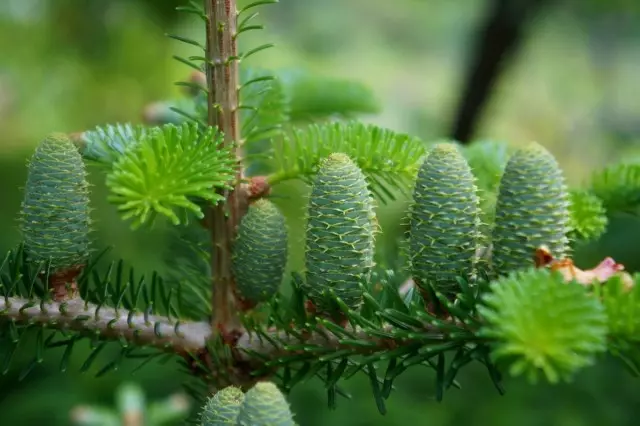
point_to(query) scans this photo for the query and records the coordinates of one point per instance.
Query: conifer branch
(78, 315)
(362, 340)
(191, 337)
(506, 294)
(222, 85)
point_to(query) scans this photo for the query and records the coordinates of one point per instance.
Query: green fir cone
(532, 210)
(55, 220)
(265, 405)
(260, 252)
(223, 407)
(445, 217)
(339, 234)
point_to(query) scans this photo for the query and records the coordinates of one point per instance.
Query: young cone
(55, 220)
(265, 405)
(532, 210)
(340, 234)
(260, 252)
(222, 408)
(444, 221)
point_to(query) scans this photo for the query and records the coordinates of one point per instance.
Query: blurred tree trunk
(498, 39)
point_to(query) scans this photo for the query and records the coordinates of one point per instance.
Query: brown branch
(222, 82)
(75, 314)
(161, 332)
(189, 339)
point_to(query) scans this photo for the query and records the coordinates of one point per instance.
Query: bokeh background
(571, 82)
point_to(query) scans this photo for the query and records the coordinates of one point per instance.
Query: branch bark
(183, 338)
(149, 330)
(222, 83)
(78, 315)
(252, 343)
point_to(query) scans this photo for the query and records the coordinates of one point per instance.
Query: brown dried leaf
(601, 273)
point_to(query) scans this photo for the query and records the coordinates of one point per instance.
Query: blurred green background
(572, 85)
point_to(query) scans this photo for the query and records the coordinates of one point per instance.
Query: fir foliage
(131, 305)
(588, 215)
(104, 145)
(55, 219)
(177, 111)
(622, 305)
(264, 110)
(187, 260)
(543, 325)
(313, 97)
(166, 170)
(388, 159)
(271, 101)
(263, 104)
(618, 186)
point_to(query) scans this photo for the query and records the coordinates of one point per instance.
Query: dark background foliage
(559, 72)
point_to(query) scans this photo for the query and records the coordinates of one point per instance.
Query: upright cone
(445, 213)
(532, 210)
(265, 405)
(222, 409)
(260, 252)
(339, 235)
(55, 221)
